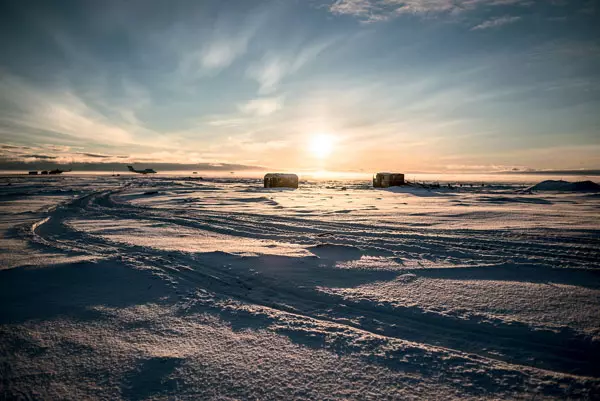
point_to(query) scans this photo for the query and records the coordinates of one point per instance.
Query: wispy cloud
(220, 83)
(93, 117)
(273, 67)
(63, 113)
(221, 54)
(496, 22)
(96, 155)
(226, 122)
(262, 106)
(66, 155)
(269, 72)
(220, 47)
(216, 54)
(379, 10)
(47, 152)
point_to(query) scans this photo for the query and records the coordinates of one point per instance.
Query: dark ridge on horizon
(48, 165)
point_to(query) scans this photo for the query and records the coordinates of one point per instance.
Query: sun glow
(321, 145)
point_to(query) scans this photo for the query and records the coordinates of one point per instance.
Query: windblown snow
(172, 288)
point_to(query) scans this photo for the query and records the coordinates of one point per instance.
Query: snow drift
(165, 288)
(559, 185)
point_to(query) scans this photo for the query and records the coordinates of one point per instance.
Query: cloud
(274, 67)
(63, 155)
(214, 56)
(131, 96)
(381, 10)
(262, 106)
(75, 116)
(496, 22)
(39, 157)
(95, 155)
(49, 152)
(219, 46)
(353, 7)
(484, 168)
(269, 73)
(227, 122)
(61, 112)
(24, 165)
(221, 54)
(57, 148)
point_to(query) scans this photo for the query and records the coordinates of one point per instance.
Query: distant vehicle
(385, 180)
(33, 173)
(57, 171)
(280, 180)
(146, 171)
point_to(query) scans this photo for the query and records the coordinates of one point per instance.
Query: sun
(321, 145)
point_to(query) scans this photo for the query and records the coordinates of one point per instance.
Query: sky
(302, 85)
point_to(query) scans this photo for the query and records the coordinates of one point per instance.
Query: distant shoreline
(591, 172)
(501, 178)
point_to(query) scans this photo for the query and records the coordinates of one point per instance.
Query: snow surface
(560, 185)
(173, 288)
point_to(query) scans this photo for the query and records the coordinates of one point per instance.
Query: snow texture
(560, 185)
(172, 288)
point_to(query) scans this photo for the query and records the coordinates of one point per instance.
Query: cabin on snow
(385, 180)
(279, 180)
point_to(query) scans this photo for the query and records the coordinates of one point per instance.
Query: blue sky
(410, 85)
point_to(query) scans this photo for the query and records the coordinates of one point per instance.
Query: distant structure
(385, 180)
(280, 180)
(33, 173)
(57, 171)
(146, 171)
(44, 172)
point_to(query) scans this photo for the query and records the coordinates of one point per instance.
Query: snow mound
(560, 185)
(336, 252)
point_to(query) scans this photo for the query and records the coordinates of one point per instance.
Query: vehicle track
(564, 352)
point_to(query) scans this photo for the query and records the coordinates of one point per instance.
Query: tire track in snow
(396, 324)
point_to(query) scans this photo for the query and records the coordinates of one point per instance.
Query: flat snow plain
(164, 287)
